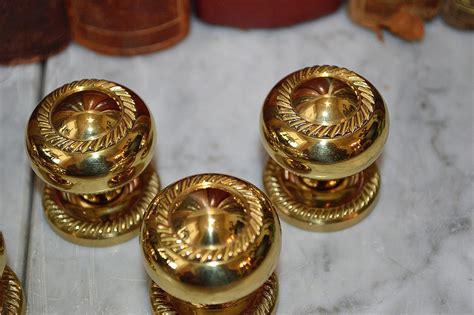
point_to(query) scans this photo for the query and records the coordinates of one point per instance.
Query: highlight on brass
(91, 142)
(210, 245)
(323, 127)
(12, 299)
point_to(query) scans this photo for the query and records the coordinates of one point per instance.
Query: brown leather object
(125, 27)
(262, 13)
(459, 13)
(32, 30)
(404, 18)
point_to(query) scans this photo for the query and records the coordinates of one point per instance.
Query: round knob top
(3, 255)
(90, 136)
(210, 239)
(324, 122)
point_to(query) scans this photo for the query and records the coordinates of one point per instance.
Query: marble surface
(412, 255)
(19, 93)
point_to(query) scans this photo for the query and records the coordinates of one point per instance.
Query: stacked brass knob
(211, 243)
(91, 142)
(323, 127)
(12, 300)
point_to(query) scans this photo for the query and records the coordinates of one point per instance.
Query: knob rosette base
(263, 301)
(12, 298)
(99, 220)
(322, 206)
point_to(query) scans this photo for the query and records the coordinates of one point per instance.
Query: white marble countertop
(412, 255)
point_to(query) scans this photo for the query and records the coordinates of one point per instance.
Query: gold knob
(91, 142)
(12, 299)
(210, 244)
(323, 127)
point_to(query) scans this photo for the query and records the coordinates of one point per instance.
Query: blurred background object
(403, 18)
(123, 27)
(262, 13)
(459, 13)
(31, 31)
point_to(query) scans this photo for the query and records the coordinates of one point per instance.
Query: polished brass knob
(323, 127)
(210, 244)
(91, 142)
(12, 299)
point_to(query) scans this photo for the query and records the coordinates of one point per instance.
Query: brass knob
(91, 142)
(12, 299)
(210, 244)
(323, 127)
